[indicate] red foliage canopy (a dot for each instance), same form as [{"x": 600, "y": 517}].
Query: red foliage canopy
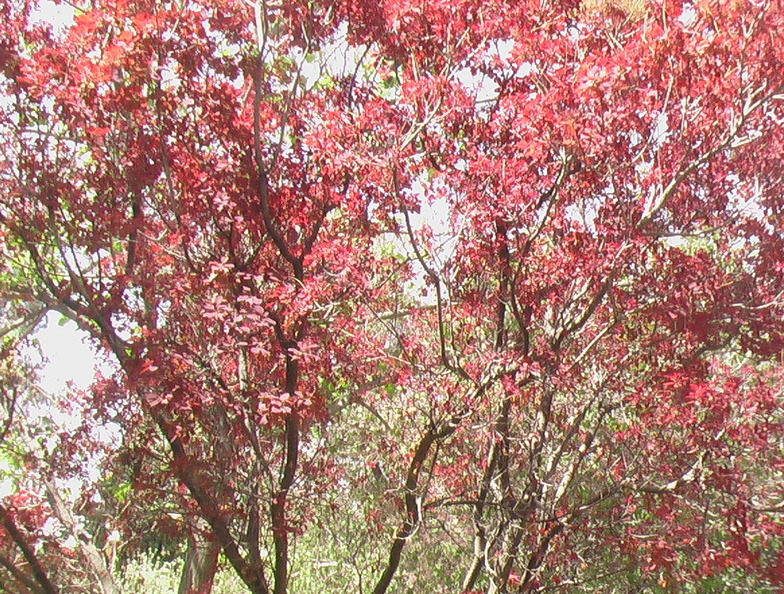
[{"x": 541, "y": 241}]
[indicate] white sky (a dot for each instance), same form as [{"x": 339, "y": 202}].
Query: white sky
[
  {"x": 59, "y": 15},
  {"x": 69, "y": 357},
  {"x": 68, "y": 362}
]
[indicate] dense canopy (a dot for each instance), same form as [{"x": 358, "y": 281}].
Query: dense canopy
[{"x": 401, "y": 296}]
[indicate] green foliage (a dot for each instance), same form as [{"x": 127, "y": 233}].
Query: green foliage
[{"x": 147, "y": 575}]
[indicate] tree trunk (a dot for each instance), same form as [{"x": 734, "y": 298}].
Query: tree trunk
[{"x": 201, "y": 561}]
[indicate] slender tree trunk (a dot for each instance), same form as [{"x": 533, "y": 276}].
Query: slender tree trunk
[
  {"x": 96, "y": 563},
  {"x": 201, "y": 561},
  {"x": 414, "y": 498}
]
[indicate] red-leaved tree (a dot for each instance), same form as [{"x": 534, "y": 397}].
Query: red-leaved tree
[{"x": 499, "y": 282}]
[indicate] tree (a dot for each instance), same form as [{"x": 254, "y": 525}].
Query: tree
[{"x": 575, "y": 377}]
